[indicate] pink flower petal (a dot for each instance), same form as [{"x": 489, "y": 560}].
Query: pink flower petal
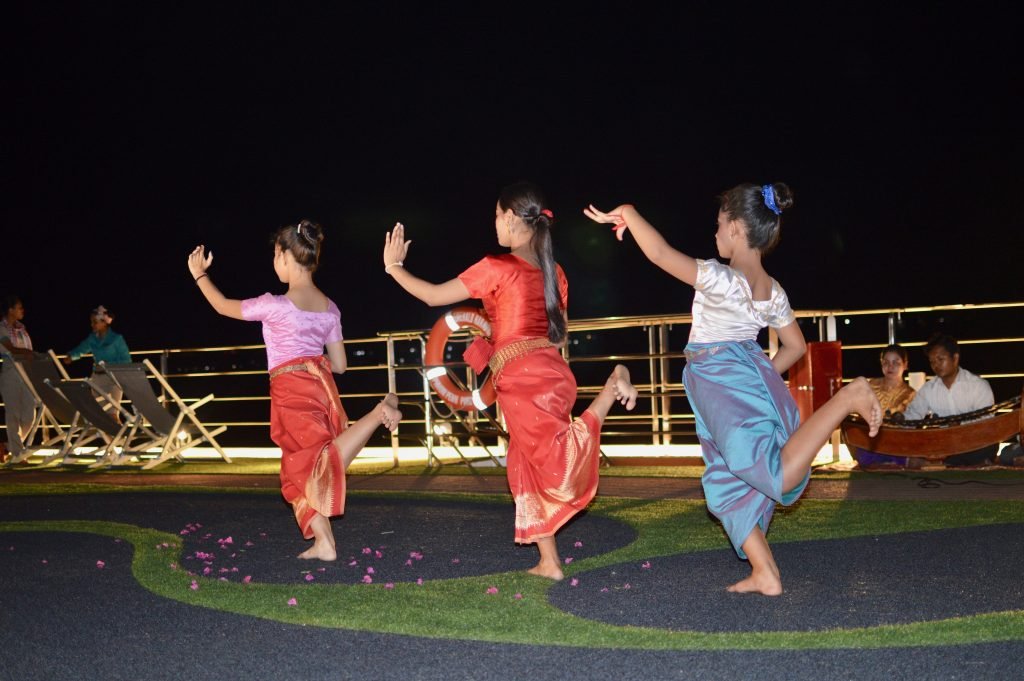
[
  {"x": 378, "y": 554},
  {"x": 223, "y": 579},
  {"x": 367, "y": 550},
  {"x": 367, "y": 579},
  {"x": 309, "y": 578},
  {"x": 646, "y": 565},
  {"x": 568, "y": 559},
  {"x": 626, "y": 586},
  {"x": 263, "y": 534},
  {"x": 117, "y": 541},
  {"x": 234, "y": 569},
  {"x": 492, "y": 590},
  {"x": 174, "y": 566},
  {"x": 353, "y": 563},
  {"x": 574, "y": 582},
  {"x": 409, "y": 562},
  {"x": 249, "y": 543},
  {"x": 292, "y": 601},
  {"x": 604, "y": 590},
  {"x": 246, "y": 579},
  {"x": 195, "y": 585},
  {"x": 226, "y": 540},
  {"x": 518, "y": 597},
  {"x": 206, "y": 571},
  {"x": 455, "y": 561},
  {"x": 100, "y": 564},
  {"x": 578, "y": 545},
  {"x": 370, "y": 571},
  {"x": 419, "y": 581},
  {"x": 321, "y": 569},
  {"x": 389, "y": 585},
  {"x": 44, "y": 561}
]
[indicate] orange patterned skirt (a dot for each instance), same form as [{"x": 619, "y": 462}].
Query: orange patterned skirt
[
  {"x": 552, "y": 458},
  {"x": 305, "y": 417}
]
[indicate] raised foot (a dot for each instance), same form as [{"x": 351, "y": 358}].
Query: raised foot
[
  {"x": 319, "y": 552},
  {"x": 622, "y": 388},
  {"x": 550, "y": 571},
  {"x": 765, "y": 584},
  {"x": 390, "y": 416},
  {"x": 864, "y": 402}
]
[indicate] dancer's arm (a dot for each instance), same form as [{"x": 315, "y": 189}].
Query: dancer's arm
[
  {"x": 198, "y": 262},
  {"x": 338, "y": 358},
  {"x": 792, "y": 347},
  {"x": 654, "y": 246},
  {"x": 396, "y": 248}
]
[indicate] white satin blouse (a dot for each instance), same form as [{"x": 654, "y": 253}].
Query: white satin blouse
[{"x": 724, "y": 308}]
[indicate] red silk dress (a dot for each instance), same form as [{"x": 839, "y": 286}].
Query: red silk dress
[
  {"x": 305, "y": 411},
  {"x": 552, "y": 461}
]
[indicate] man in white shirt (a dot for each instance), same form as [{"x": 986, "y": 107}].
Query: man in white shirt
[{"x": 953, "y": 391}]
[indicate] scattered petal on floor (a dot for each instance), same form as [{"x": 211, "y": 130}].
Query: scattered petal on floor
[
  {"x": 195, "y": 585},
  {"x": 309, "y": 578},
  {"x": 455, "y": 561},
  {"x": 367, "y": 550},
  {"x": 574, "y": 582},
  {"x": 419, "y": 581},
  {"x": 492, "y": 590},
  {"x": 100, "y": 564},
  {"x": 367, "y": 579},
  {"x": 389, "y": 585},
  {"x": 578, "y": 545},
  {"x": 370, "y": 571},
  {"x": 518, "y": 597},
  {"x": 568, "y": 559},
  {"x": 646, "y": 565},
  {"x": 292, "y": 601},
  {"x": 246, "y": 579}
]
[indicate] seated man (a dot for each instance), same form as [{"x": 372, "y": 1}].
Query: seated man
[{"x": 953, "y": 391}]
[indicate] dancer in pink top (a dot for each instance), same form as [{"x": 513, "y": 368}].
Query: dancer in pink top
[{"x": 307, "y": 420}]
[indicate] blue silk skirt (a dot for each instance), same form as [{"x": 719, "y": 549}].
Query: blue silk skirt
[{"x": 745, "y": 415}]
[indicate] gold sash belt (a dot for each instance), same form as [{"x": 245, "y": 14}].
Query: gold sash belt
[
  {"x": 291, "y": 367},
  {"x": 513, "y": 351}
]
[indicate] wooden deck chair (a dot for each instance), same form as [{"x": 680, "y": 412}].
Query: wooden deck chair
[
  {"x": 177, "y": 425},
  {"x": 54, "y": 413},
  {"x": 100, "y": 422}
]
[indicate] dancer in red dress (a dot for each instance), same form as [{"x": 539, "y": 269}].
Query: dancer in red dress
[
  {"x": 307, "y": 420},
  {"x": 552, "y": 460}
]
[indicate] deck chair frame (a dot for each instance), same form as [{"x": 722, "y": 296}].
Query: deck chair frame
[
  {"x": 173, "y": 430},
  {"x": 97, "y": 421}
]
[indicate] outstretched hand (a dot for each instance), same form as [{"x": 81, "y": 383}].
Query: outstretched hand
[
  {"x": 613, "y": 218},
  {"x": 199, "y": 261},
  {"x": 395, "y": 245}
]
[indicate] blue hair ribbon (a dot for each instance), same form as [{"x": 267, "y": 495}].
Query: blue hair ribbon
[{"x": 769, "y": 199}]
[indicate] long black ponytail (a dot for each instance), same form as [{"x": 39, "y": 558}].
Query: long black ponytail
[{"x": 527, "y": 202}]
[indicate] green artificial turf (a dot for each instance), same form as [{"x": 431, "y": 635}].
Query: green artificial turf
[{"x": 463, "y": 609}]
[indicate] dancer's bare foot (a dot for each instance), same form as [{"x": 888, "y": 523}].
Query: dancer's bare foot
[
  {"x": 864, "y": 402},
  {"x": 549, "y": 570},
  {"x": 320, "y": 550},
  {"x": 622, "y": 389},
  {"x": 389, "y": 414},
  {"x": 763, "y": 582}
]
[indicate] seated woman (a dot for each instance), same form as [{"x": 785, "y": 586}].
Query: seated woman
[
  {"x": 106, "y": 346},
  {"x": 894, "y": 395}
]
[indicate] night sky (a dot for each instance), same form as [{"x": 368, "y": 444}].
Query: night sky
[{"x": 135, "y": 131}]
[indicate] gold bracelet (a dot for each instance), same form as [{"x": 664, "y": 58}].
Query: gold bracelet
[{"x": 387, "y": 268}]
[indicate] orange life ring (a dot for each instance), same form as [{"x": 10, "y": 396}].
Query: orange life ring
[{"x": 437, "y": 372}]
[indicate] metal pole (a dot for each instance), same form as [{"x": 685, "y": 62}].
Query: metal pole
[
  {"x": 652, "y": 372},
  {"x": 663, "y": 381},
  {"x": 428, "y": 420},
  {"x": 392, "y": 388}
]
